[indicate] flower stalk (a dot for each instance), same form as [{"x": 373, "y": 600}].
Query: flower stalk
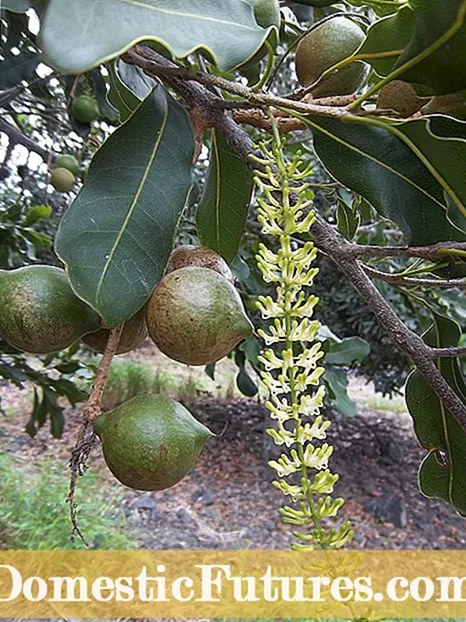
[{"x": 292, "y": 358}]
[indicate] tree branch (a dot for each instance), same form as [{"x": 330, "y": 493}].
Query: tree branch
[
  {"x": 9, "y": 95},
  {"x": 157, "y": 65},
  {"x": 424, "y": 252},
  {"x": 405, "y": 339},
  {"x": 394, "y": 279},
  {"x": 17, "y": 138},
  {"x": 345, "y": 255},
  {"x": 448, "y": 352}
]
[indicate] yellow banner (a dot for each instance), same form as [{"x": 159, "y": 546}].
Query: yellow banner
[{"x": 232, "y": 584}]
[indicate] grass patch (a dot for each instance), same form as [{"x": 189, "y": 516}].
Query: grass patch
[
  {"x": 34, "y": 515},
  {"x": 396, "y": 405},
  {"x": 128, "y": 378}
]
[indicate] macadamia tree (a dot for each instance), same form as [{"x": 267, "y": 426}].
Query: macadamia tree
[{"x": 208, "y": 167}]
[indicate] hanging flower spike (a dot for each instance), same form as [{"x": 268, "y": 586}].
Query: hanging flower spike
[{"x": 290, "y": 361}]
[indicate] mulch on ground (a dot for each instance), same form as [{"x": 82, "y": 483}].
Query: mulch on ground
[{"x": 228, "y": 501}]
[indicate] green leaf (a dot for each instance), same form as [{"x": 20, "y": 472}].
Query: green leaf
[
  {"x": 442, "y": 472},
  {"x": 379, "y": 166},
  {"x": 223, "y": 208},
  {"x": 429, "y": 34},
  {"x": 210, "y": 370},
  {"x": 128, "y": 87},
  {"x": 99, "y": 85},
  {"x": 316, "y": 3},
  {"x": 38, "y": 239},
  {"x": 347, "y": 351},
  {"x": 116, "y": 237},
  {"x": 348, "y": 220},
  {"x": 36, "y": 213},
  {"x": 16, "y": 68},
  {"x": 55, "y": 412},
  {"x": 380, "y": 7},
  {"x": 437, "y": 22},
  {"x": 227, "y": 30},
  {"x": 337, "y": 382},
  {"x": 442, "y": 141},
  {"x": 31, "y": 428},
  {"x": 388, "y": 35},
  {"x": 245, "y": 383}
]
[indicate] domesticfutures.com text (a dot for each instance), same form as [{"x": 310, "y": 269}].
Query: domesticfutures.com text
[{"x": 212, "y": 582}]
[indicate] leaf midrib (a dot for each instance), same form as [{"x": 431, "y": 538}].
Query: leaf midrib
[
  {"x": 187, "y": 15},
  {"x": 133, "y": 203},
  {"x": 379, "y": 162}
]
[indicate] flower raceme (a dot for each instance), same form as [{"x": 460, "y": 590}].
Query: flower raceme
[{"x": 292, "y": 360}]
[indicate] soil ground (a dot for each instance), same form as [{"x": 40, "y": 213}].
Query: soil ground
[{"x": 227, "y": 501}]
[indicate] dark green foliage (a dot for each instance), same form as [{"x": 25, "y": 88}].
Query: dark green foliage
[{"x": 341, "y": 308}]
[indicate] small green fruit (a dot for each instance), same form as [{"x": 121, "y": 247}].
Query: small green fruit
[
  {"x": 151, "y": 441},
  {"x": 200, "y": 256},
  {"x": 62, "y": 179},
  {"x": 325, "y": 46},
  {"x": 399, "y": 96},
  {"x": 195, "y": 316},
  {"x": 69, "y": 162},
  {"x": 453, "y": 105},
  {"x": 85, "y": 109},
  {"x": 134, "y": 333},
  {"x": 40, "y": 311}
]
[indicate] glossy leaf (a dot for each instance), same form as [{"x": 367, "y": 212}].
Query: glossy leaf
[
  {"x": 442, "y": 141},
  {"x": 37, "y": 213},
  {"x": 223, "y": 208},
  {"x": 79, "y": 35},
  {"x": 99, "y": 88},
  {"x": 434, "y": 29},
  {"x": 245, "y": 383},
  {"x": 348, "y": 220},
  {"x": 380, "y": 7},
  {"x": 116, "y": 237},
  {"x": 436, "y": 21},
  {"x": 16, "y": 68},
  {"x": 336, "y": 380},
  {"x": 442, "y": 472},
  {"x": 128, "y": 87},
  {"x": 316, "y": 3},
  {"x": 379, "y": 166},
  {"x": 388, "y": 35},
  {"x": 347, "y": 351}
]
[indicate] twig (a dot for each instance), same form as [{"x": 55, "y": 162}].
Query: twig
[
  {"x": 9, "y": 95},
  {"x": 156, "y": 64},
  {"x": 448, "y": 352},
  {"x": 17, "y": 138},
  {"x": 394, "y": 279},
  {"x": 86, "y": 437},
  {"x": 424, "y": 252}
]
